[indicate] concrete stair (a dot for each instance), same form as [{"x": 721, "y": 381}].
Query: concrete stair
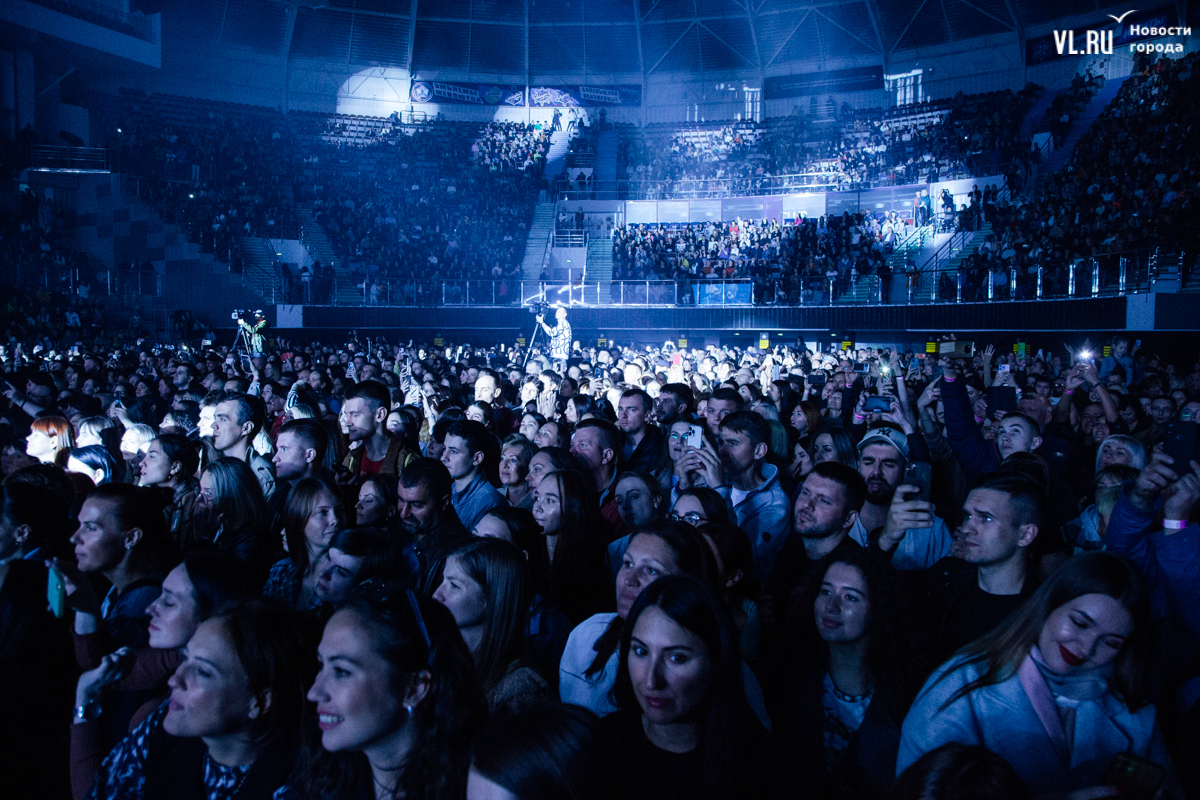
[
  {"x": 599, "y": 266},
  {"x": 1095, "y": 107},
  {"x": 606, "y": 158},
  {"x": 929, "y": 277},
  {"x": 540, "y": 230},
  {"x": 1034, "y": 121},
  {"x": 258, "y": 268},
  {"x": 556, "y": 156},
  {"x": 349, "y": 293}
]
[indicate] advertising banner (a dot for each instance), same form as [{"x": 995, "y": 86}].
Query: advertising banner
[
  {"x": 471, "y": 94},
  {"x": 585, "y": 96}
]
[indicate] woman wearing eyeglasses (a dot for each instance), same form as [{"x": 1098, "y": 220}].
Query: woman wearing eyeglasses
[{"x": 396, "y": 700}]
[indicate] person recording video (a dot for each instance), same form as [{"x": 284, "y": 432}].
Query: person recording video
[{"x": 560, "y": 335}]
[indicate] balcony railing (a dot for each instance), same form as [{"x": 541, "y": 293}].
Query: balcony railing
[
  {"x": 69, "y": 159},
  {"x": 135, "y": 25},
  {"x": 1116, "y": 275}
]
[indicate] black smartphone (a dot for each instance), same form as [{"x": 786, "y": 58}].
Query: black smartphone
[
  {"x": 919, "y": 474},
  {"x": 1179, "y": 443},
  {"x": 876, "y": 404},
  {"x": 1001, "y": 398},
  {"x": 1138, "y": 778},
  {"x": 817, "y": 379},
  {"x": 245, "y": 363}
]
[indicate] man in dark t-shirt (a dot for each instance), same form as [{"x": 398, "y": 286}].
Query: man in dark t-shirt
[{"x": 969, "y": 593}]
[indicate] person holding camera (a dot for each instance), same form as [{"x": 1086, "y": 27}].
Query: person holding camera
[{"x": 560, "y": 334}]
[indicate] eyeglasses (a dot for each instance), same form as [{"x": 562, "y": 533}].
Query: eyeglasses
[
  {"x": 691, "y": 518},
  {"x": 374, "y": 590}
]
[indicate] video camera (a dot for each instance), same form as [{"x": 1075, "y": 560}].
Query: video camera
[
  {"x": 245, "y": 313},
  {"x": 538, "y": 307}
]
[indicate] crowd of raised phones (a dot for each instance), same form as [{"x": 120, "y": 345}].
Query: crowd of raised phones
[{"x": 381, "y": 571}]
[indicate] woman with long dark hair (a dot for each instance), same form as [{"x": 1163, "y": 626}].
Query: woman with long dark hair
[
  {"x": 589, "y": 663},
  {"x": 230, "y": 512},
  {"x": 232, "y": 725},
  {"x": 312, "y": 516},
  {"x": 542, "y": 752},
  {"x": 839, "y": 727},
  {"x": 484, "y": 586},
  {"x": 564, "y": 505},
  {"x": 205, "y": 582},
  {"x": 1059, "y": 689},
  {"x": 683, "y": 723},
  {"x": 396, "y": 700},
  {"x": 171, "y": 461}
]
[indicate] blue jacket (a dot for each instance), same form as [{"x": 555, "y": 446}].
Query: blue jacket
[
  {"x": 1001, "y": 718},
  {"x": 764, "y": 516},
  {"x": 1170, "y": 563},
  {"x": 975, "y": 454}
]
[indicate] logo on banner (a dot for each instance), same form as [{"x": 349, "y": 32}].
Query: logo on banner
[{"x": 422, "y": 92}]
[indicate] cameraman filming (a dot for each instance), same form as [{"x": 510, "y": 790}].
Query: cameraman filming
[{"x": 560, "y": 335}]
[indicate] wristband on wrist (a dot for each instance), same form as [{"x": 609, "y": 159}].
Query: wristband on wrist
[
  {"x": 948, "y": 379},
  {"x": 1174, "y": 524}
]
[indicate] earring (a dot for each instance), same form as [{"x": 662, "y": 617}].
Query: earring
[
  {"x": 409, "y": 709},
  {"x": 128, "y": 546}
]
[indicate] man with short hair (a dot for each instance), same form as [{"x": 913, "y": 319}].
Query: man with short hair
[
  {"x": 488, "y": 390},
  {"x": 236, "y": 421},
  {"x": 969, "y": 595},
  {"x": 740, "y": 473},
  {"x": 675, "y": 400},
  {"x": 882, "y": 458},
  {"x": 722, "y": 403},
  {"x": 300, "y": 450},
  {"x": 975, "y": 454},
  {"x": 373, "y": 450},
  {"x": 645, "y": 444},
  {"x": 427, "y": 517},
  {"x": 464, "y": 454},
  {"x": 597, "y": 445}
]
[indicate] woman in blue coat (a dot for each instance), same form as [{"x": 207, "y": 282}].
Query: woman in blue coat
[{"x": 1058, "y": 690}]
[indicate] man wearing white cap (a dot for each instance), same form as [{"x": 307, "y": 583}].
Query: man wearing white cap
[{"x": 882, "y": 456}]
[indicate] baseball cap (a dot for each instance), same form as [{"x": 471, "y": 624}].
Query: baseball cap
[{"x": 885, "y": 435}]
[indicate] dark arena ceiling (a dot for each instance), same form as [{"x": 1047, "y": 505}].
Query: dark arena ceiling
[{"x": 603, "y": 37}]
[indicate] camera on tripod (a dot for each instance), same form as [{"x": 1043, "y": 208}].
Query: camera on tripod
[
  {"x": 538, "y": 307},
  {"x": 245, "y": 313}
]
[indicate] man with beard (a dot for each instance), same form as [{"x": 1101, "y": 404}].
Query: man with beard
[
  {"x": 827, "y": 506},
  {"x": 365, "y": 413},
  {"x": 427, "y": 517},
  {"x": 882, "y": 456}
]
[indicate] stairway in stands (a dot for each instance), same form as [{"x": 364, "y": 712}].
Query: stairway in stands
[
  {"x": 1057, "y": 159},
  {"x": 599, "y": 265},
  {"x": 258, "y": 267},
  {"x": 1034, "y": 121},
  {"x": 560, "y": 141},
  {"x": 539, "y": 239},
  {"x": 321, "y": 249},
  {"x": 924, "y": 293},
  {"x": 606, "y": 158}
]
